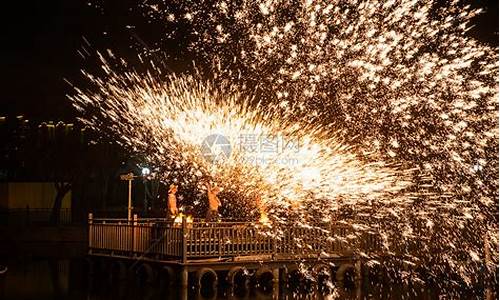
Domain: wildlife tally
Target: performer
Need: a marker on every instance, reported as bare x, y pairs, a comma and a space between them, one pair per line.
213, 203
172, 202
258, 202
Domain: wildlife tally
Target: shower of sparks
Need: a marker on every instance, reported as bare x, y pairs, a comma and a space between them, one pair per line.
168, 120
401, 79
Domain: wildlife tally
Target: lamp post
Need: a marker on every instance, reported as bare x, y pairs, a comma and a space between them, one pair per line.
129, 177
145, 174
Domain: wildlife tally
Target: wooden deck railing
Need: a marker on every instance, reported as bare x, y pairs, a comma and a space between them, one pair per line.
198, 240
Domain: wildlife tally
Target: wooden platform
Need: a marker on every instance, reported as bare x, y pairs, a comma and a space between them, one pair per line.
190, 247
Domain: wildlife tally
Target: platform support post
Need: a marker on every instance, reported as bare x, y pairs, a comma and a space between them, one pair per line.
284, 276
276, 283
276, 276
358, 268
184, 276
184, 293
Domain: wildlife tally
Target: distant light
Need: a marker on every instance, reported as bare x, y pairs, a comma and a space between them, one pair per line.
145, 171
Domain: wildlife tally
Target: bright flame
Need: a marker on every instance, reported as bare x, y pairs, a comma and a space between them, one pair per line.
180, 216
264, 219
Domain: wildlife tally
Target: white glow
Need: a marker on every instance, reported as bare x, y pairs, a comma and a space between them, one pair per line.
145, 171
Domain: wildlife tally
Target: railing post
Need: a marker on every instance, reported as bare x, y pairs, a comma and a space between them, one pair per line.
134, 232
275, 248
184, 240
219, 241
91, 220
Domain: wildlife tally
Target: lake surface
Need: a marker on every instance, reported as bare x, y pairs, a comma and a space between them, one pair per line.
42, 278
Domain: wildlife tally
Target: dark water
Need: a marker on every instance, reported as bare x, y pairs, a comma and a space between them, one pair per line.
54, 278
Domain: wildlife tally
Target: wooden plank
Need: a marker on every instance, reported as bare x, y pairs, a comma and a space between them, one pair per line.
262, 257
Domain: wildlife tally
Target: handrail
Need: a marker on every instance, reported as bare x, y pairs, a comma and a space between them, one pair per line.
163, 221
185, 241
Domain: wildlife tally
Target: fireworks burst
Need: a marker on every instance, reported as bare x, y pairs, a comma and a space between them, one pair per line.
401, 79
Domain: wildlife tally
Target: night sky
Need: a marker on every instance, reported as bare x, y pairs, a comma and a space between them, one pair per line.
40, 41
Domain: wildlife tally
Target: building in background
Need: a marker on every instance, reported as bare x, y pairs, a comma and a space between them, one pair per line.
56, 170
32, 203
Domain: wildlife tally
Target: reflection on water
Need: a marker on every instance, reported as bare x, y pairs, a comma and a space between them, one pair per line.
31, 278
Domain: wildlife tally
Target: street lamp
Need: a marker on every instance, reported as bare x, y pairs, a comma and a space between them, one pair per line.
145, 171
146, 174
129, 177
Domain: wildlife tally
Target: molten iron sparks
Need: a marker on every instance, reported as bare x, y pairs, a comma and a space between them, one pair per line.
175, 116
401, 79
